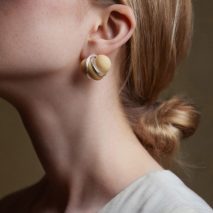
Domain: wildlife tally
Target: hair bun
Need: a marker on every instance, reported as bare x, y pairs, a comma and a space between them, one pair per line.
162, 125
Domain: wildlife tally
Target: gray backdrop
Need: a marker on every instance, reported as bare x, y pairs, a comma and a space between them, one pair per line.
19, 165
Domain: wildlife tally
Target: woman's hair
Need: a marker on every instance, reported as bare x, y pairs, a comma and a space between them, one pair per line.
161, 40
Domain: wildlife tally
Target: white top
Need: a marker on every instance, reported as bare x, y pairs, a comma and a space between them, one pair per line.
157, 192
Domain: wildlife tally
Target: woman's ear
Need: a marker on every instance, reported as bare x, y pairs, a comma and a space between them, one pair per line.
114, 28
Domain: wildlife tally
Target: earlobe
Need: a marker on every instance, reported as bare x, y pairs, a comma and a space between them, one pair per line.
117, 26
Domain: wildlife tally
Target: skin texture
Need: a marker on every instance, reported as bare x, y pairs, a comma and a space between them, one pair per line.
77, 126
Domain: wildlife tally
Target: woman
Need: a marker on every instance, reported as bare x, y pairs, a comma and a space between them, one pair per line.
85, 76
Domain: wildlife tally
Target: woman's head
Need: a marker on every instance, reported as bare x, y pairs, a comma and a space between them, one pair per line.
150, 37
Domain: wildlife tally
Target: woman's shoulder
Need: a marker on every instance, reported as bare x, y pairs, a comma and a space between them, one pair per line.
158, 191
19, 200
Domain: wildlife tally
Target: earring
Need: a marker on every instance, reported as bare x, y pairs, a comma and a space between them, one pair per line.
96, 66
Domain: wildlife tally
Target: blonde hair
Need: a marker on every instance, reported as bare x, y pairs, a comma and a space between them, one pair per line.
160, 42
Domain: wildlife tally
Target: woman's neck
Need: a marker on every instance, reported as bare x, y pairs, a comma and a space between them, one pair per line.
85, 145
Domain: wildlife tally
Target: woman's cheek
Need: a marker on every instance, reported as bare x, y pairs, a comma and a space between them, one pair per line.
44, 37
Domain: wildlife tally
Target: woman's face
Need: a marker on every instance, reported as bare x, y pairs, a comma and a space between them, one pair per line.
38, 36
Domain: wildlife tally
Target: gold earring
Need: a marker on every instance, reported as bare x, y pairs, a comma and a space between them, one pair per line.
96, 66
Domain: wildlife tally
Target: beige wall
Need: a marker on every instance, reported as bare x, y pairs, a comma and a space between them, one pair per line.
20, 167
